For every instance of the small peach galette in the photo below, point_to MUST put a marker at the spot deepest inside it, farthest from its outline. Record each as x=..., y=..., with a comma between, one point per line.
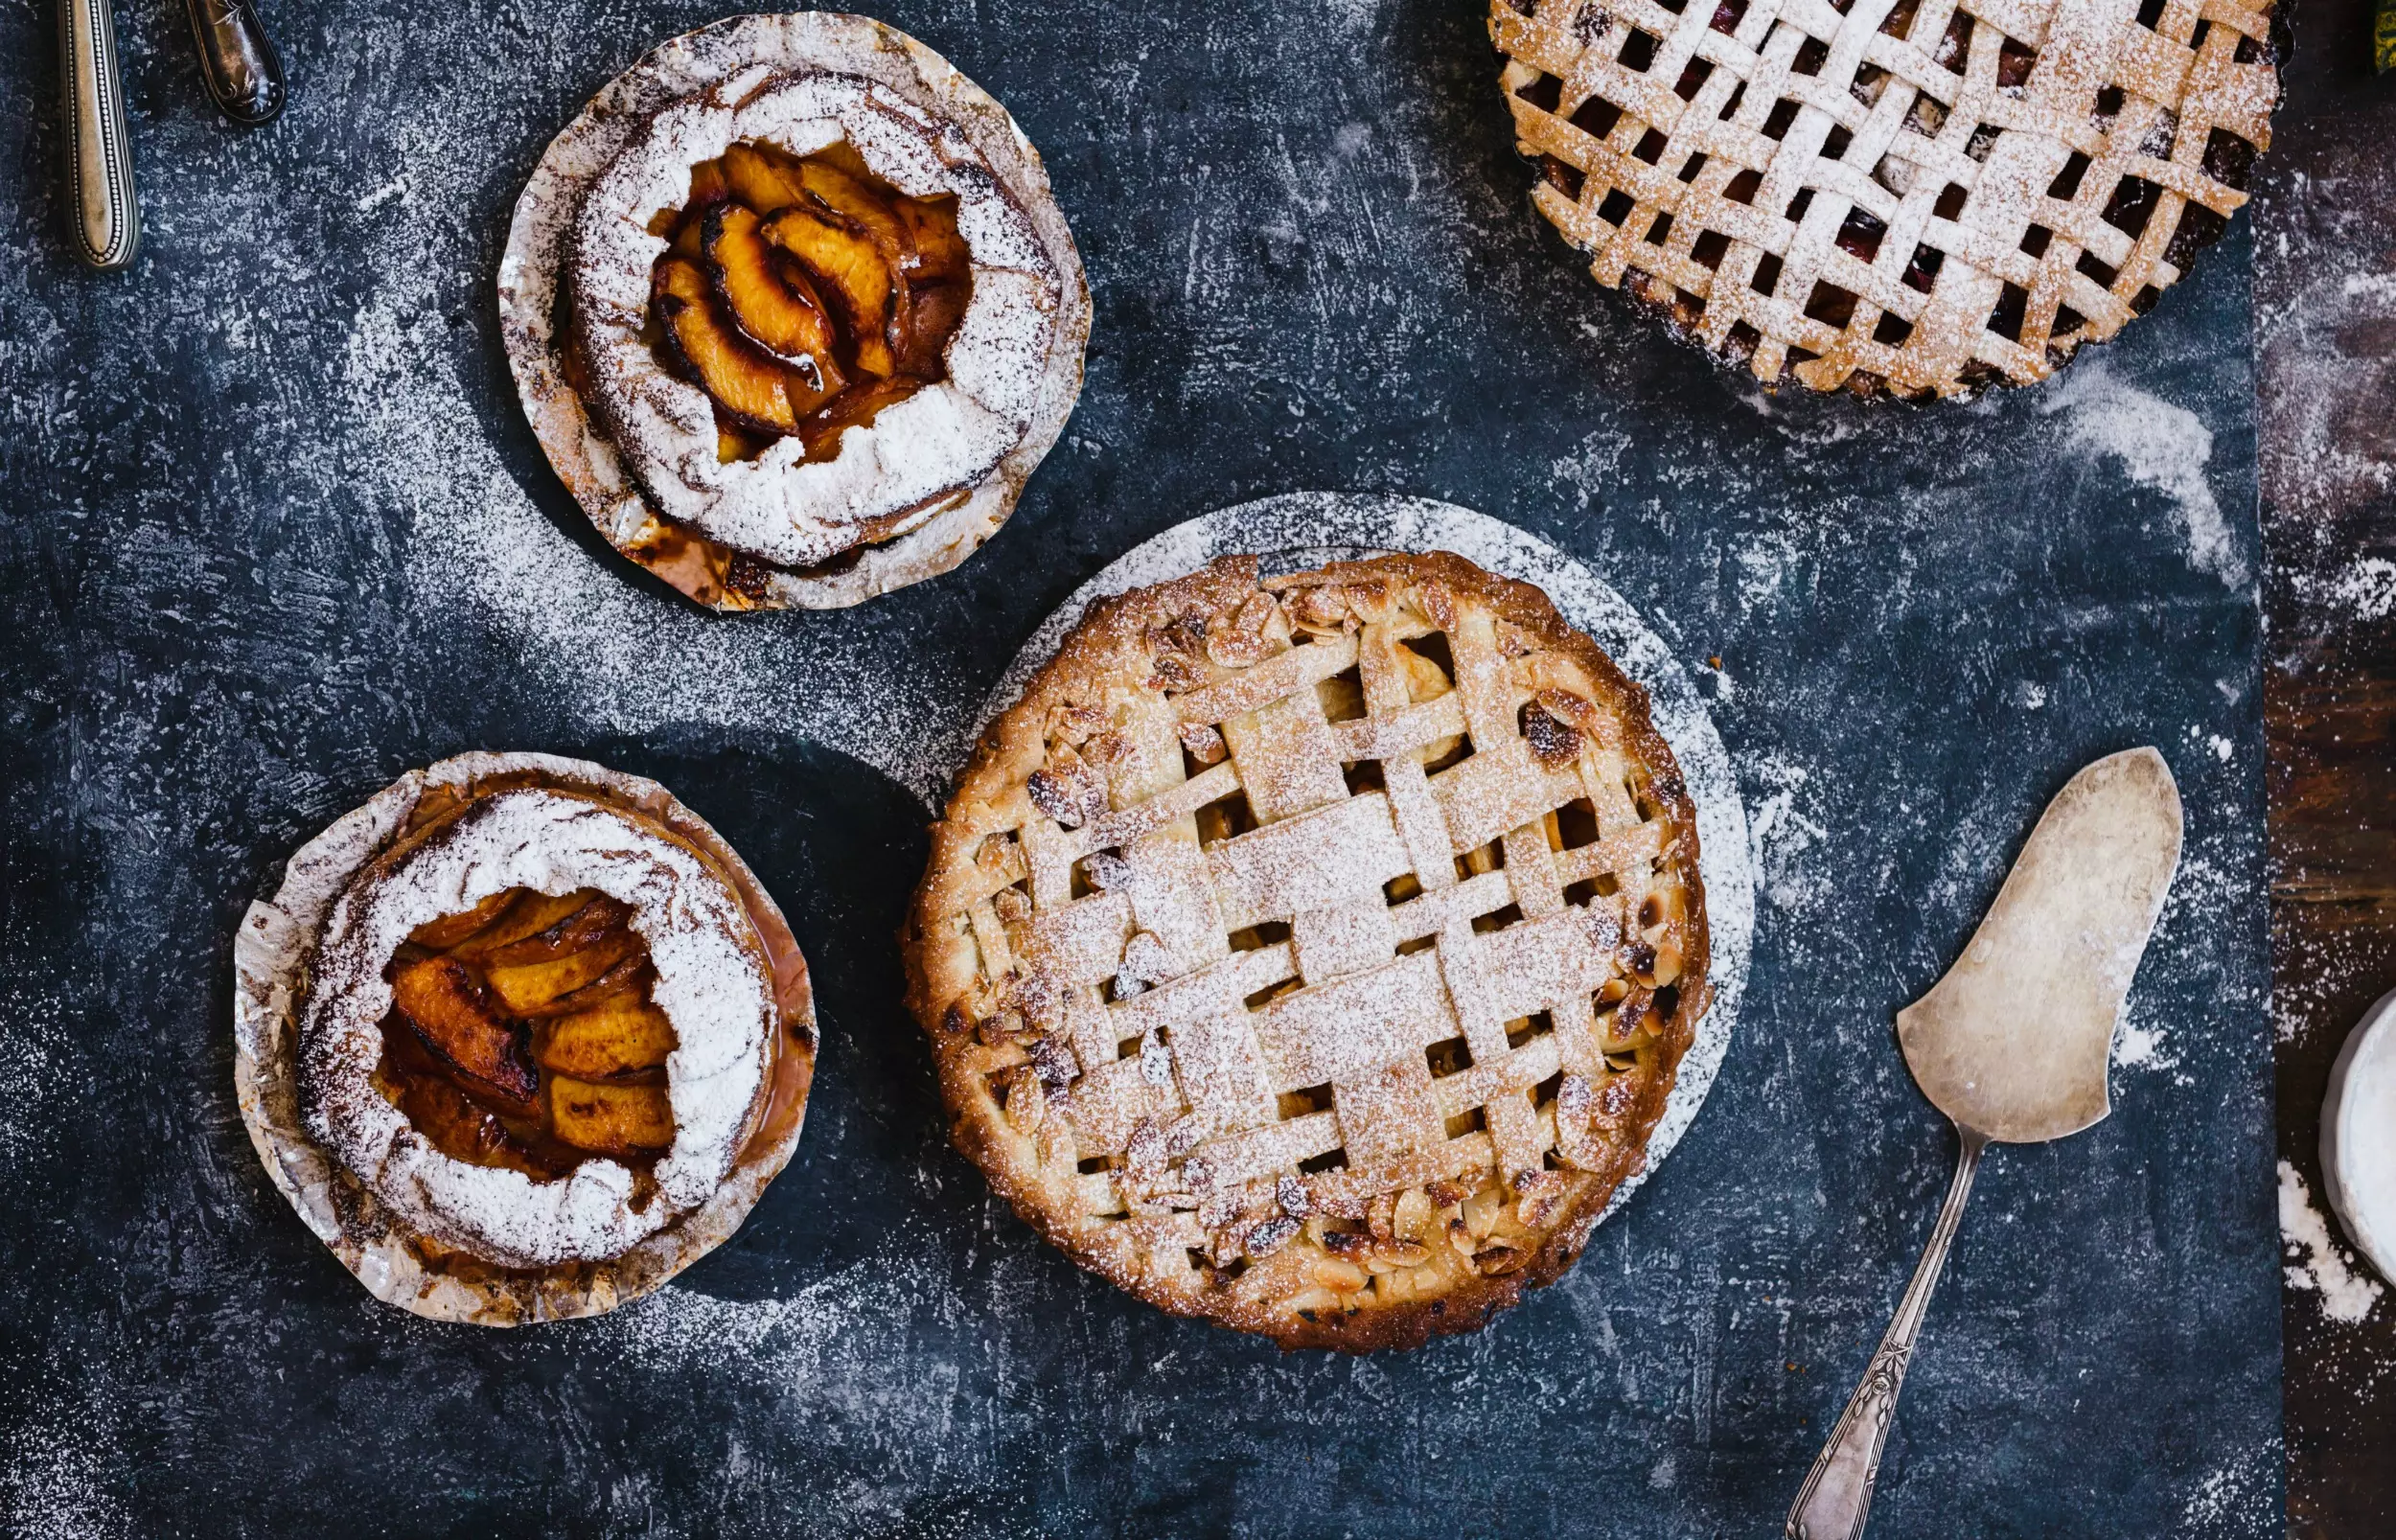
x=794, y=311
x=524, y=1036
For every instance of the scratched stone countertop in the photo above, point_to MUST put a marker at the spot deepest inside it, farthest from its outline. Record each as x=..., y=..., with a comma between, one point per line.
x=275, y=531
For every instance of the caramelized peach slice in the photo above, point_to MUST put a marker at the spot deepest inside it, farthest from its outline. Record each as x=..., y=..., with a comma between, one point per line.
x=931, y=236
x=456, y=1124
x=631, y=977
x=930, y=321
x=591, y=923
x=531, y=914
x=745, y=382
x=440, y=935
x=606, y=1041
x=439, y=998
x=538, y=988
x=630, y=1122
x=774, y=305
x=708, y=184
x=853, y=274
x=856, y=201
x=761, y=179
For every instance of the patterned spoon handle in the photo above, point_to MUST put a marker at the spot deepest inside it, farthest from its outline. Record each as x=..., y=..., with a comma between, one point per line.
x=107, y=220
x=1837, y=1495
x=245, y=72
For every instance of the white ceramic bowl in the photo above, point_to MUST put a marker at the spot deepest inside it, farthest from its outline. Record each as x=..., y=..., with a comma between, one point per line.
x=2359, y=1136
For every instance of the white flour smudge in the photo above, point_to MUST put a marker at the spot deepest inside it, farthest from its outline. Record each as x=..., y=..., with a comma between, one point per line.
x=2159, y=445
x=2237, y=1488
x=2141, y=1047
x=1783, y=834
x=2318, y=1262
x=2366, y=591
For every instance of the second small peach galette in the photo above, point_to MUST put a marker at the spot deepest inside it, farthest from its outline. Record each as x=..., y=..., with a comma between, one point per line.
x=792, y=311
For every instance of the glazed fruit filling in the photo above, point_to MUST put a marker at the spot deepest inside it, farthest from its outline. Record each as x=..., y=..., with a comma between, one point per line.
x=804, y=294
x=521, y=1034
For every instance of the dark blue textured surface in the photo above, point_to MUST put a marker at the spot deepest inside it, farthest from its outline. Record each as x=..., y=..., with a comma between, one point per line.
x=275, y=531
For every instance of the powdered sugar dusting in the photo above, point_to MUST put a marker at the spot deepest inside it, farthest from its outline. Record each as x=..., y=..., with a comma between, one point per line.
x=708, y=985
x=2315, y=1261
x=1307, y=529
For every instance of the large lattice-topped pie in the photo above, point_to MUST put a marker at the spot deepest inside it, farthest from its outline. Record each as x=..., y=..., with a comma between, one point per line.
x=1916, y=195
x=1315, y=954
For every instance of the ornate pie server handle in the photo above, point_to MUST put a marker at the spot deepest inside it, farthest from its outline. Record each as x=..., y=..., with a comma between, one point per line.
x=1837, y=1495
x=244, y=73
x=99, y=148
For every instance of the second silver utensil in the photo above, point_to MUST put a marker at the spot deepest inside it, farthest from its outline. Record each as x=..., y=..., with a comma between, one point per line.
x=244, y=73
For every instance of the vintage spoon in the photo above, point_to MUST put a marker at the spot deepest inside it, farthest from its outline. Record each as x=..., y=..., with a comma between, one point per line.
x=2013, y=1045
x=238, y=60
x=106, y=218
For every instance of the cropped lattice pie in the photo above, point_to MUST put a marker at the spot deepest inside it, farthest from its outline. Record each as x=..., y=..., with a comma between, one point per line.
x=1316, y=955
x=1914, y=195
x=793, y=313
x=520, y=1039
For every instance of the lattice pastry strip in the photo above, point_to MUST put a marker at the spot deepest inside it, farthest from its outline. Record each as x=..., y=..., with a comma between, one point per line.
x=1917, y=196
x=1316, y=955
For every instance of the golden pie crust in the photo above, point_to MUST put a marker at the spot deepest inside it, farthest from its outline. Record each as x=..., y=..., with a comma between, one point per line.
x=1915, y=196
x=1315, y=954
x=561, y=254
x=284, y=971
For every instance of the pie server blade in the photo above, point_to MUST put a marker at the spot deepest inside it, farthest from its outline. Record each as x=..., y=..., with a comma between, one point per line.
x=2013, y=1045
x=2015, y=1042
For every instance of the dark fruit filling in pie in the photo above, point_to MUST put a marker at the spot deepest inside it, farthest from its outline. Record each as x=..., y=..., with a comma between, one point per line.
x=521, y=1034
x=804, y=294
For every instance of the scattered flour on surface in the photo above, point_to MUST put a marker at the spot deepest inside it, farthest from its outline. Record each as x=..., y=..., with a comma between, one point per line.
x=1782, y=833
x=54, y=1474
x=2347, y=1293
x=34, y=1046
x=2237, y=1488
x=2139, y=1046
x=2160, y=446
x=2366, y=591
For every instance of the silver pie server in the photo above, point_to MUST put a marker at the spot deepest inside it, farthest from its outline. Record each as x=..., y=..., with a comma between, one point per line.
x=106, y=218
x=2013, y=1045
